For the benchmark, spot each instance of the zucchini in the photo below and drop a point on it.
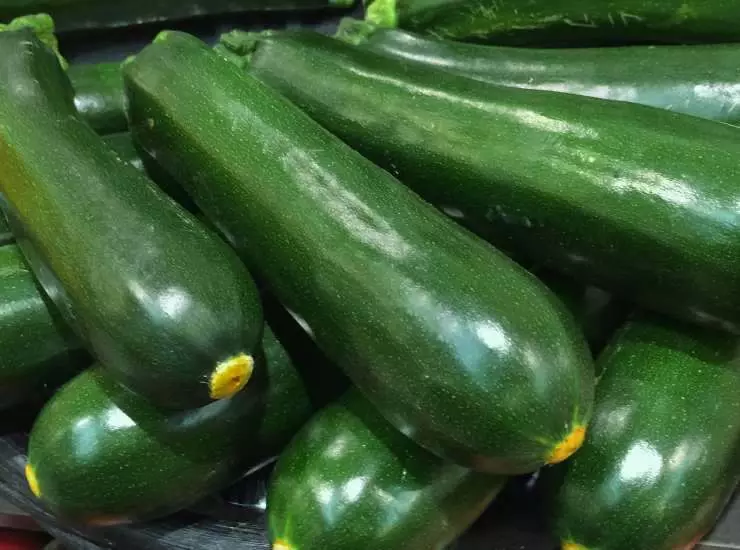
(158, 298)
(564, 22)
(76, 15)
(409, 305)
(99, 96)
(566, 181)
(124, 146)
(663, 453)
(351, 480)
(100, 454)
(37, 351)
(699, 80)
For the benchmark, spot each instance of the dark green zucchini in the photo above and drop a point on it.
(124, 146)
(698, 80)
(350, 480)
(75, 15)
(158, 298)
(632, 199)
(37, 351)
(564, 22)
(662, 455)
(101, 454)
(458, 346)
(99, 96)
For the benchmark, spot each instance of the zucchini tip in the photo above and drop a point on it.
(230, 376)
(569, 445)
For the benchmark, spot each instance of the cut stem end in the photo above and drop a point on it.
(231, 376)
(566, 448)
(280, 544)
(33, 482)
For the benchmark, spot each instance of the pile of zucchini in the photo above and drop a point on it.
(408, 261)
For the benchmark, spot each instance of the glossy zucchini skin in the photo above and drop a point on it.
(564, 22)
(568, 182)
(435, 326)
(699, 80)
(75, 15)
(99, 96)
(37, 351)
(100, 454)
(159, 299)
(663, 453)
(349, 479)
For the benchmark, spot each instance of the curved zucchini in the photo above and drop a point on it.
(158, 298)
(564, 22)
(351, 480)
(37, 352)
(75, 15)
(101, 454)
(99, 96)
(412, 307)
(568, 182)
(663, 453)
(700, 80)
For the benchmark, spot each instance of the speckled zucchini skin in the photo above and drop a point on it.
(350, 480)
(158, 298)
(558, 22)
(102, 454)
(663, 453)
(638, 201)
(700, 80)
(37, 351)
(457, 346)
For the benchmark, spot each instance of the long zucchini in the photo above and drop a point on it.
(700, 80)
(351, 480)
(564, 22)
(663, 454)
(159, 299)
(101, 454)
(456, 345)
(75, 15)
(37, 351)
(631, 199)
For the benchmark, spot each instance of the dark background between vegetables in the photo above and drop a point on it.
(235, 517)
